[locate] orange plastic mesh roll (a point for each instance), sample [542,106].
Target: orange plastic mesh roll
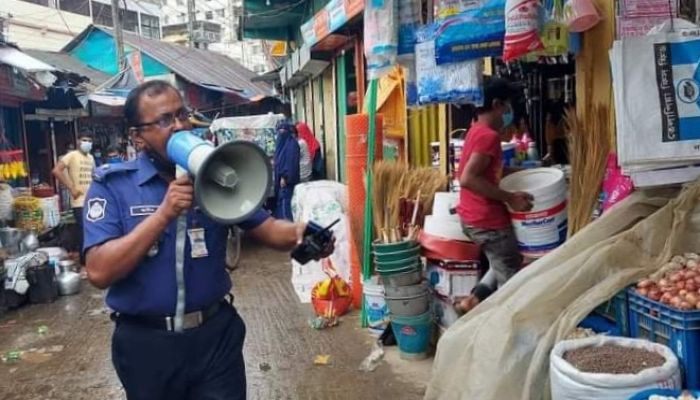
[356,132]
[356,165]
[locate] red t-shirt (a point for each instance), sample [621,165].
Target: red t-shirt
[474,209]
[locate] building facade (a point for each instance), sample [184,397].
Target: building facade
[51,24]
[227,41]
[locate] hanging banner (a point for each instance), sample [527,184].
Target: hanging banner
[278,48]
[134,60]
[331,18]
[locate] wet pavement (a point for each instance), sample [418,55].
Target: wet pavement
[66,346]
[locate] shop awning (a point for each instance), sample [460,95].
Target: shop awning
[15,58]
[108,100]
[275,20]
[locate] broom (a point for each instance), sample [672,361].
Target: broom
[367,245]
[589,146]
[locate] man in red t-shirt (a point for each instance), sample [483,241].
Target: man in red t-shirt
[483,206]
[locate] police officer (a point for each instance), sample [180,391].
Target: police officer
[131,218]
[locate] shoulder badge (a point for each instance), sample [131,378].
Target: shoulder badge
[103,171]
[96,209]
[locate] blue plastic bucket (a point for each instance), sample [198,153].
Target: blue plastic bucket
[413,335]
[508,150]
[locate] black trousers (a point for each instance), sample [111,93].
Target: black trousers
[78,215]
[203,363]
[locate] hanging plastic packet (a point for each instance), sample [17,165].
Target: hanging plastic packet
[522,28]
[472,34]
[409,22]
[449,8]
[381,21]
[411,84]
[459,82]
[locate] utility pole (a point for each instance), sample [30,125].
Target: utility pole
[118,36]
[190,22]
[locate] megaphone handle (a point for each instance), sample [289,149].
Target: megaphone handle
[179,171]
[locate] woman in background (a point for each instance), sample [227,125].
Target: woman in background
[317,167]
[286,160]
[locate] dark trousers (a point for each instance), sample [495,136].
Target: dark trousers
[78,215]
[204,363]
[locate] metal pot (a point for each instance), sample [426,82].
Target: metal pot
[68,282]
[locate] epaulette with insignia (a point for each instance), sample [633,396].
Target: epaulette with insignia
[103,171]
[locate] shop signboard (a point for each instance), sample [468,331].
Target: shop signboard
[331,18]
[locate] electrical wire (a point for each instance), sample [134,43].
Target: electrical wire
[275,11]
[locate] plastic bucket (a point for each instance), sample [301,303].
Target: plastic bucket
[406,278]
[397,255]
[375,306]
[396,265]
[508,150]
[407,268]
[393,247]
[581,15]
[408,306]
[544,227]
[413,335]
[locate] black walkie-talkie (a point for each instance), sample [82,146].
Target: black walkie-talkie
[316,239]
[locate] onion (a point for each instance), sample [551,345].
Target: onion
[689,274]
[643,291]
[644,283]
[680,285]
[690,285]
[666,298]
[682,292]
[691,256]
[698,305]
[685,305]
[676,276]
[663,282]
[697,279]
[676,302]
[655,295]
[691,298]
[692,264]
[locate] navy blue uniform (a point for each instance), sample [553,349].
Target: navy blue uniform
[200,363]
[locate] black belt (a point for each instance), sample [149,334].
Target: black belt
[191,320]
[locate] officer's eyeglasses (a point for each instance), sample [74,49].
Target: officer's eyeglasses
[168,119]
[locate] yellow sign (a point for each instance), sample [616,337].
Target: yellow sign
[278,49]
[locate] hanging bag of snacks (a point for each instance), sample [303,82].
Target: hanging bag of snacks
[28,213]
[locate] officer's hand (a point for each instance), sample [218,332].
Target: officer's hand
[179,197]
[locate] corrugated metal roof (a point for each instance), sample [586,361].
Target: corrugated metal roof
[201,67]
[65,63]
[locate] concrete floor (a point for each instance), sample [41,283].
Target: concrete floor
[66,347]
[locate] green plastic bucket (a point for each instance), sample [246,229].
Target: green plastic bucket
[393,247]
[413,335]
[398,255]
[390,265]
[397,270]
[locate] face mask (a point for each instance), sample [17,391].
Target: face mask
[507,118]
[114,160]
[98,154]
[85,146]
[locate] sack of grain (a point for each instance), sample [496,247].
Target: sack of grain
[617,368]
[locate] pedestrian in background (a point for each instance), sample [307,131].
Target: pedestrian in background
[287,155]
[317,166]
[79,164]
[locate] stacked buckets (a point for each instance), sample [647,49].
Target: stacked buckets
[407,296]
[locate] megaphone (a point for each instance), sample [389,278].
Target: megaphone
[231,181]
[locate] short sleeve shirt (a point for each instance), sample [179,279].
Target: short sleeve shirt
[121,197]
[80,167]
[474,209]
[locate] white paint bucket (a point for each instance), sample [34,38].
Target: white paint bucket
[544,227]
[377,312]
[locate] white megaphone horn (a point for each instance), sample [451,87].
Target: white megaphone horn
[231,181]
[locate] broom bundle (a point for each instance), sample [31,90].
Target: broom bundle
[589,145]
[401,196]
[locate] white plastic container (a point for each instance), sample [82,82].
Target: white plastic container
[447,227]
[444,201]
[452,282]
[377,311]
[543,228]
